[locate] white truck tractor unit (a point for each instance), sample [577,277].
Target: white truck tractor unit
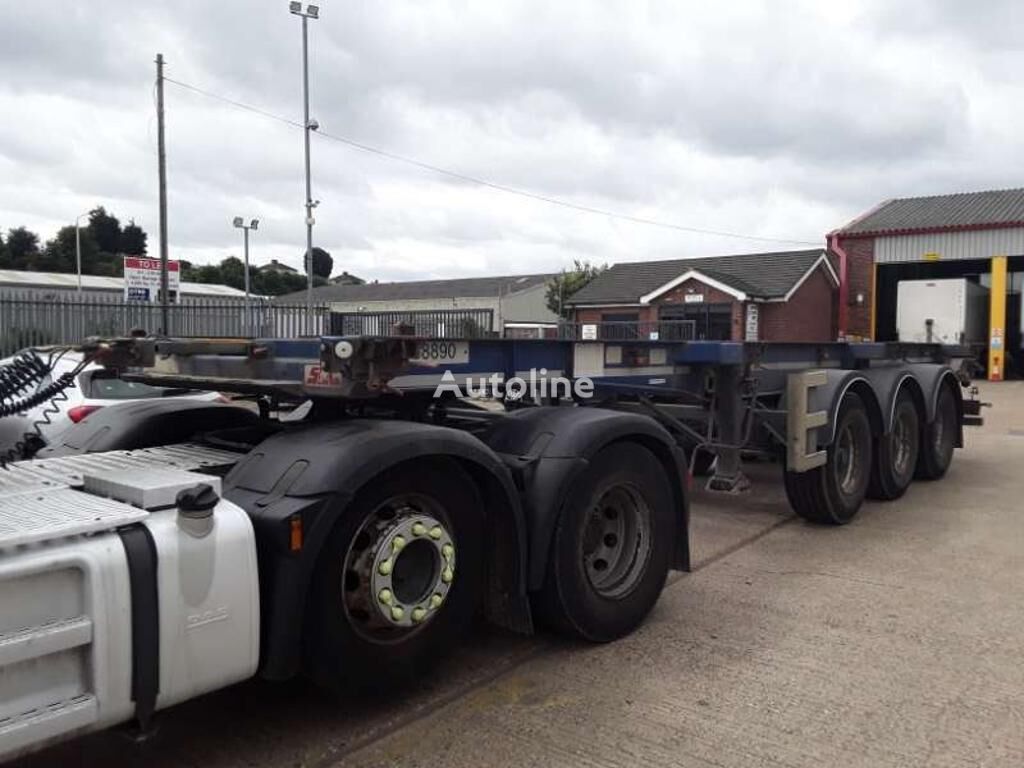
[165,548]
[126,586]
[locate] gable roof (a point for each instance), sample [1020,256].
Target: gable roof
[963,210]
[422,289]
[755,275]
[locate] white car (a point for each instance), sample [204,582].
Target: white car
[95,387]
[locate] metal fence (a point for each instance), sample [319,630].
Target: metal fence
[35,318]
[435,324]
[660,330]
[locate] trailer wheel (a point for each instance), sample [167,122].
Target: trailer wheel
[612,547]
[832,493]
[938,439]
[398,579]
[896,453]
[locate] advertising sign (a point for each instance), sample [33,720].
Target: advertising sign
[142,279]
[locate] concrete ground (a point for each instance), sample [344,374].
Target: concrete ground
[894,641]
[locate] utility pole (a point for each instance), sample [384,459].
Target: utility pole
[78,248]
[162,161]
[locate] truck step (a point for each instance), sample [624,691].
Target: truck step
[42,724]
[53,637]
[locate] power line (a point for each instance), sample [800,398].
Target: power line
[484,182]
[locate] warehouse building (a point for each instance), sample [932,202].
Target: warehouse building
[978,236]
[475,306]
[782,296]
[64,285]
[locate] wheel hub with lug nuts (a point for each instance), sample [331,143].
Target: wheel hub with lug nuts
[413,569]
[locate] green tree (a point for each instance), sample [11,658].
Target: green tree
[322,262]
[232,272]
[105,229]
[133,239]
[207,273]
[59,255]
[4,258]
[562,286]
[22,247]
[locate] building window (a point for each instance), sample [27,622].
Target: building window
[618,326]
[702,322]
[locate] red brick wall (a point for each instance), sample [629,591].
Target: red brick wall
[595,314]
[711,296]
[809,315]
[860,261]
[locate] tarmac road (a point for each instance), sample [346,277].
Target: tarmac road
[894,641]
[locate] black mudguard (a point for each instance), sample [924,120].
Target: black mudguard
[879,388]
[147,424]
[313,473]
[548,448]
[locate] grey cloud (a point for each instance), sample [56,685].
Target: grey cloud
[727,118]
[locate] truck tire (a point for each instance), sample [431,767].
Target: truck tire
[398,580]
[612,547]
[832,493]
[938,439]
[896,453]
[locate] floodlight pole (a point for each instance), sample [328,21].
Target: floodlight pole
[307,129]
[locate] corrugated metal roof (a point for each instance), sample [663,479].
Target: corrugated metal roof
[999,207]
[760,275]
[18,278]
[422,289]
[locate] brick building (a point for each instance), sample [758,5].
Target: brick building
[974,235]
[786,296]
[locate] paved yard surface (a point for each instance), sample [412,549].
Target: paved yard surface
[895,641]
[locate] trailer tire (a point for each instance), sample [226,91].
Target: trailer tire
[612,547]
[832,493]
[896,452]
[346,650]
[938,439]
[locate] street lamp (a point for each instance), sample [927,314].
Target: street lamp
[239,222]
[311,12]
[78,248]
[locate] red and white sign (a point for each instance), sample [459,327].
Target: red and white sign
[142,279]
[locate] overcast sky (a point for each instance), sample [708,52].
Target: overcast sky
[770,119]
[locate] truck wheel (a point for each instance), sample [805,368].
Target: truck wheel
[398,579]
[938,439]
[612,546]
[832,494]
[896,453]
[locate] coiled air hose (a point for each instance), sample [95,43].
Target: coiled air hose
[24,371]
